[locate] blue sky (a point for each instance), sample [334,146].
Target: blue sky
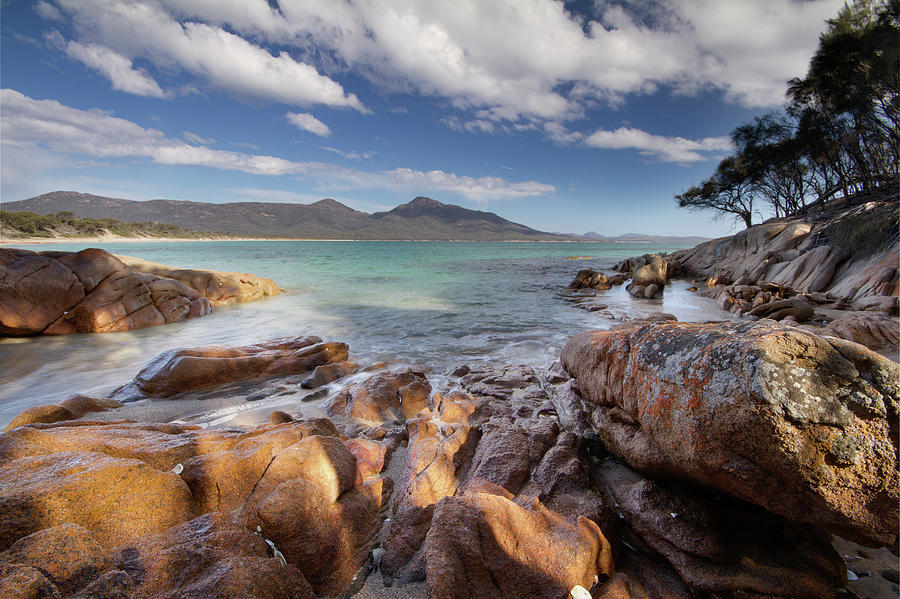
[565,117]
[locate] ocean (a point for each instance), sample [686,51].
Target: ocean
[435,305]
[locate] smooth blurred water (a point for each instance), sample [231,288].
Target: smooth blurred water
[435,304]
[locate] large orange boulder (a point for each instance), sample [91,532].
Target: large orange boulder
[114,506]
[68,555]
[90,291]
[799,424]
[312,503]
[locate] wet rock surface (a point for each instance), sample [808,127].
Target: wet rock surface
[202,368]
[503,483]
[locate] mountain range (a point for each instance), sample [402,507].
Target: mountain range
[421,219]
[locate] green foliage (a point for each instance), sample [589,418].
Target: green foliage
[66,224]
[866,233]
[840,132]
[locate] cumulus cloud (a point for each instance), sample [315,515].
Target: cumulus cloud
[659,147]
[307,122]
[115,67]
[532,59]
[48,130]
[223,59]
[479,189]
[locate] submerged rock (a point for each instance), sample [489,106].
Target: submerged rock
[799,424]
[201,368]
[589,279]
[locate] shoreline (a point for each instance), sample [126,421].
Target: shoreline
[112,239]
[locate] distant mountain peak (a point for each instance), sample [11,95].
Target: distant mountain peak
[422,201]
[334,205]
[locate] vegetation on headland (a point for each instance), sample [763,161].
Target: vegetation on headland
[838,135]
[22,225]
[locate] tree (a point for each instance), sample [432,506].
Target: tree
[727,192]
[840,131]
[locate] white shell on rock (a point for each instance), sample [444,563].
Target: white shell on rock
[579,592]
[178,469]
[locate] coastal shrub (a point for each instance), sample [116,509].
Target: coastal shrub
[866,233]
[66,224]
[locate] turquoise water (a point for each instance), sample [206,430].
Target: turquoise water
[433,304]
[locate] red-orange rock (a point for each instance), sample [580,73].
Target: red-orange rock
[370,456]
[34,291]
[209,557]
[71,408]
[115,499]
[384,397]
[139,487]
[19,580]
[223,480]
[202,368]
[68,555]
[86,292]
[780,417]
[220,288]
[485,545]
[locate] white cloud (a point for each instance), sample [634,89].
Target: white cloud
[66,130]
[559,134]
[351,155]
[47,11]
[115,67]
[666,149]
[198,139]
[48,132]
[519,59]
[307,122]
[225,60]
[530,59]
[478,189]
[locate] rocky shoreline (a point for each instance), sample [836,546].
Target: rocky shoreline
[833,271]
[660,459]
[746,459]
